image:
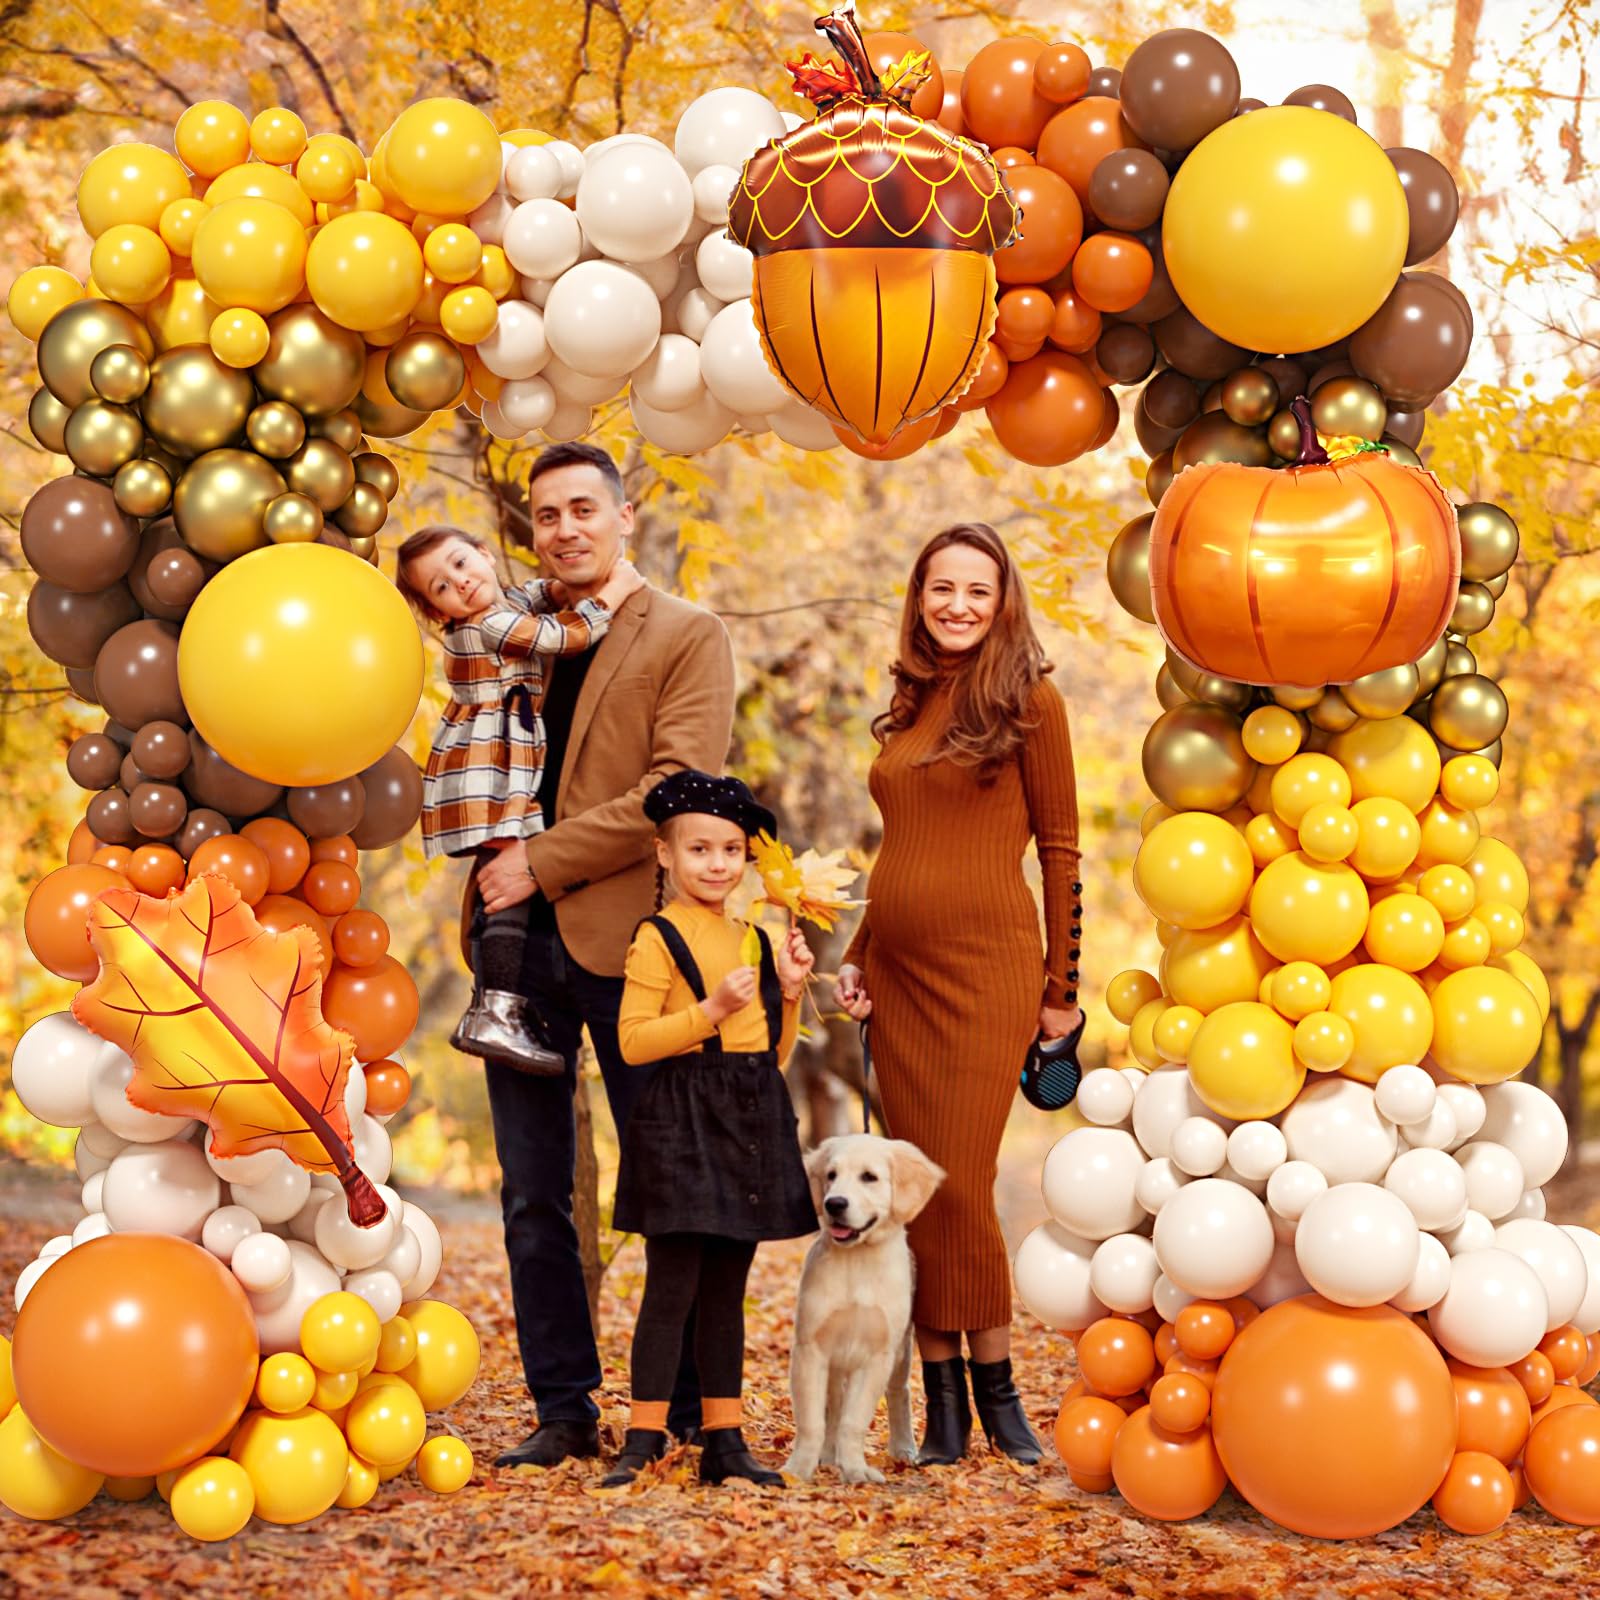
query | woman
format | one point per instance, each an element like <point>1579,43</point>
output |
<point>975,760</point>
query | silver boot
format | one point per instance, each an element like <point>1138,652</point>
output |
<point>496,1028</point>
<point>471,1019</point>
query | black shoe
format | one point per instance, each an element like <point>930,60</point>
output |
<point>949,1420</point>
<point>640,1446</point>
<point>551,1443</point>
<point>1000,1411</point>
<point>726,1456</point>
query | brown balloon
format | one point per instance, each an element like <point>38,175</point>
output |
<point>1128,189</point>
<point>1289,375</point>
<point>136,674</point>
<point>1170,400</point>
<point>129,776</point>
<point>1158,477</point>
<point>158,536</point>
<point>161,749</point>
<point>75,535</point>
<point>1349,406</point>
<point>197,828</point>
<point>326,809</point>
<point>1249,104</point>
<point>175,579</point>
<point>392,791</point>
<point>1104,81</point>
<point>93,761</point>
<point>70,628</point>
<point>1326,372</point>
<point>113,729</point>
<point>1128,568</point>
<point>1489,541</point>
<point>1406,426</point>
<point>1416,343</point>
<point>1249,397</point>
<point>80,682</point>
<point>158,810</point>
<point>1431,199</point>
<point>1160,299</point>
<point>1153,439</point>
<point>1126,353</point>
<point>1323,97</point>
<point>1178,86</point>
<point>1194,349</point>
<point>218,784</point>
<point>1214,436</point>
<point>47,421</point>
<point>108,817</point>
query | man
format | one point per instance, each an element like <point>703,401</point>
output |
<point>654,696</point>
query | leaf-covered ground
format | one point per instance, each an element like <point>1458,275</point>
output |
<point>984,1529</point>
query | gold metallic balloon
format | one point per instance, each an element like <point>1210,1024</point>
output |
<point>1468,712</point>
<point>1344,406</point>
<point>363,513</point>
<point>47,421</point>
<point>1332,713</point>
<point>292,519</point>
<point>100,437</point>
<point>143,488</point>
<point>388,422</point>
<point>1194,759</point>
<point>425,371</point>
<point>1293,697</point>
<point>1474,609</point>
<point>1401,452</point>
<point>320,469</point>
<point>1249,396</point>
<point>220,502</point>
<point>365,545</point>
<point>1458,659</point>
<point>119,373</point>
<point>1382,694</point>
<point>1283,435</point>
<point>380,472</point>
<point>1488,541</point>
<point>195,402</point>
<point>1214,690</point>
<point>1128,568</point>
<point>1158,477</point>
<point>1430,665</point>
<point>311,361</point>
<point>275,429</point>
<point>343,427</point>
<point>1497,586</point>
<point>1214,436</point>
<point>75,335</point>
<point>1167,690</point>
<point>1184,672</point>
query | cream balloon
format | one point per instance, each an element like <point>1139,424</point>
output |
<point>693,311</point>
<point>1158,1181</point>
<point>577,386</point>
<point>1170,1299</point>
<point>1123,1273</point>
<point>601,319</point>
<point>1213,1238</point>
<point>379,1288</point>
<point>1587,1317</point>
<point>570,158</point>
<point>373,1149</point>
<point>97,1224</point>
<point>1556,1259</point>
<point>404,1258</point>
<point>533,173</point>
<point>1494,1177</point>
<point>1432,1187</point>
<point>421,1226</point>
<point>490,219</point>
<point>276,1197</point>
<point>243,1169</point>
<point>713,190</point>
<point>51,1068</point>
<point>691,428</point>
<point>1105,1098</point>
<point>1051,1272</point>
<point>726,269</point>
<point>1528,1122</point>
<point>280,1311</point>
<point>526,403</point>
<point>1334,1124</point>
<point>353,1248</point>
<point>226,1229</point>
<point>725,127</point>
<point>1282,1280</point>
<point>1468,1109</point>
<point>542,238</point>
<point>1293,1187</point>
<point>1436,1131</point>
<point>1088,1182</point>
<point>571,419</point>
<point>161,1188</point>
<point>733,365</point>
<point>1494,1312</point>
<point>1257,1149</point>
<point>1357,1244</point>
<point>108,1085</point>
<point>802,427</point>
<point>1199,1147</point>
<point>670,380</point>
<point>1164,1100</point>
<point>1474,1232</point>
<point>634,202</point>
<point>1430,1280</point>
<point>516,347</point>
<point>662,274</point>
<point>1405,1095</point>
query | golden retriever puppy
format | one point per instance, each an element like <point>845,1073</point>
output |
<point>852,1324</point>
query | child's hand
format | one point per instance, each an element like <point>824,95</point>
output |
<point>623,580</point>
<point>556,593</point>
<point>795,962</point>
<point>735,992</point>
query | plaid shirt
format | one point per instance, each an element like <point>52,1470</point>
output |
<point>483,774</point>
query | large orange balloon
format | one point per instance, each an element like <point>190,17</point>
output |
<point>1334,1421</point>
<point>135,1353</point>
<point>1051,227</point>
<point>281,912</point>
<point>1049,411</point>
<point>234,857</point>
<point>1075,141</point>
<point>1477,1494</point>
<point>287,851</point>
<point>56,923</point>
<point>1172,1476</point>
<point>999,99</point>
<point>377,1006</point>
<point>1085,1432</point>
<point>1563,1464</point>
<point>1492,1412</point>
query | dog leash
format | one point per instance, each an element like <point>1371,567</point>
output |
<point>866,1080</point>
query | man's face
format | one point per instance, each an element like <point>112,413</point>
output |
<point>579,527</point>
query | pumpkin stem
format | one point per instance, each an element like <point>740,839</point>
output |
<point>843,32</point>
<point>1311,453</point>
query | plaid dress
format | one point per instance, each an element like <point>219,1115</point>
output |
<point>482,780</point>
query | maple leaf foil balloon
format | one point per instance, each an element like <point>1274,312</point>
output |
<point>874,232</point>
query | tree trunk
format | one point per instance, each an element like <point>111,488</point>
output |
<point>586,1200</point>
<point>1572,1044</point>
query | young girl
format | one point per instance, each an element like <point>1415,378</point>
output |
<point>481,788</point>
<point>711,1156</point>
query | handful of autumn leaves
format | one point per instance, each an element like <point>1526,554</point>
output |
<point>811,888</point>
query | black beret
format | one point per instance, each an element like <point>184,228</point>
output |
<point>691,793</point>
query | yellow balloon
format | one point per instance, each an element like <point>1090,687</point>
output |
<point>1486,1024</point>
<point>181,314</point>
<point>443,156</point>
<point>212,1498</point>
<point>1174,1032</point>
<point>453,253</point>
<point>1466,944</point>
<point>1387,839</point>
<point>1242,1061</point>
<point>1391,1017</point>
<point>1156,811</point>
<point>1404,931</point>
<point>360,1484</point>
<point>1271,734</point>
<point>1449,834</point>
<point>299,664</point>
<point>37,295</point>
<point>1141,1033</point>
<point>129,1490</point>
<point>386,1425</point>
<point>8,1387</point>
<point>364,270</point>
<point>213,136</point>
<point>364,197</point>
<point>36,1481</point>
<point>525,136</point>
<point>1328,832</point>
<point>180,222</point>
<point>1210,967</point>
<point>251,253</point>
<point>1269,838</point>
<point>1299,988</point>
<point>1529,974</point>
<point>1305,781</point>
<point>1128,991</point>
<point>447,1353</point>
<point>329,167</point>
<point>444,1464</point>
<point>1394,758</point>
<point>335,1390</point>
<point>1193,869</point>
<point>297,1464</point>
<point>1499,874</point>
<point>1305,910</point>
<point>256,180</point>
<point>1323,1041</point>
<point>397,1347</point>
<point>340,1332</point>
<point>129,183</point>
<point>468,315</point>
<point>1504,924</point>
<point>239,337</point>
<point>1286,229</point>
<point>1451,889</point>
<point>496,274</point>
<point>130,263</point>
<point>1258,797</point>
<point>277,136</point>
<point>285,1383</point>
<point>1469,781</point>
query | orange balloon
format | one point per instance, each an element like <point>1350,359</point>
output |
<point>1052,225</point>
<point>1205,1330</point>
<point>286,848</point>
<point>886,50</point>
<point>113,857</point>
<point>1244,1311</point>
<point>1166,1343</point>
<point>336,847</point>
<point>1018,350</point>
<point>360,938</point>
<point>1179,1403</point>
<point>330,888</point>
<point>82,844</point>
<point>1085,1432</point>
<point>1492,1411</point>
<point>376,1005</point>
<point>134,1353</point>
<point>1566,1350</point>
<point>1012,155</point>
<point>1191,1367</point>
<point>1536,1376</point>
<point>1024,315</point>
<point>1562,1463</point>
<point>1116,1356</point>
<point>1113,415</point>
<point>1061,74</point>
<point>989,380</point>
<point>948,418</point>
<point>1335,1421</point>
<point>280,912</point>
<point>950,112</point>
<point>1076,325</point>
<point>56,922</point>
<point>998,97</point>
<point>1170,1476</point>
<point>1560,1397</point>
<point>388,1088</point>
<point>1521,1494</point>
<point>1477,1494</point>
<point>1591,1365</point>
<point>232,856</point>
<point>1112,271</point>
<point>156,869</point>
<point>1049,411</point>
<point>1075,141</point>
<point>906,442</point>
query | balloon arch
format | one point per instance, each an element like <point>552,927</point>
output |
<point>1315,1205</point>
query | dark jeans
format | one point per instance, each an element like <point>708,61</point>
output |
<point>535,1135</point>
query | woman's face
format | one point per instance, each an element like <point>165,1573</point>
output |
<point>960,596</point>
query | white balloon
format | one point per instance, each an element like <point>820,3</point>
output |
<point>1105,1097</point>
<point>1170,1299</point>
<point>1530,1205</point>
<point>57,1246</point>
<point>670,379</point>
<point>421,1226</point>
<point>490,219</point>
<point>662,274</point>
<point>791,121</point>
<point>93,1192</point>
<point>51,1067</point>
<point>1089,1179</point>
<point>1357,1244</point>
<point>1257,1149</point>
<point>1334,1124</point>
<point>578,386</point>
<point>355,1091</point>
<point>1429,1281</point>
<point>303,1224</point>
<point>533,173</point>
<point>1123,1273</point>
<point>1554,1255</point>
<point>280,1311</point>
<point>1474,1232</point>
<point>1587,1317</point>
<point>1494,1177</point>
<point>1405,1094</point>
<point>713,190</point>
<point>570,420</point>
<point>726,269</point>
<point>373,1149</point>
<point>524,404</point>
<point>1157,1182</point>
<point>102,1141</point>
<point>279,1195</point>
<point>1051,1272</point>
<point>809,430</point>
<point>94,1226</point>
<point>1284,1228</point>
<point>592,152</point>
<point>690,428</point>
<point>1523,1118</point>
<point>29,1276</point>
<point>246,1168</point>
<point>226,1229</point>
<point>345,1245</point>
<point>602,320</point>
<point>733,365</point>
<point>1431,1185</point>
<point>1199,1147</point>
<point>380,1289</point>
<point>1467,1106</point>
<point>1162,1101</point>
<point>725,128</point>
<point>261,1262</point>
<point>693,311</point>
<point>537,290</point>
<point>85,1162</point>
<point>1494,1312</point>
<point>1213,1238</point>
<point>634,201</point>
<point>1436,1131</point>
<point>108,1085</point>
<point>1282,1280</point>
<point>161,1188</point>
<point>516,345</point>
<point>542,239</point>
<point>571,159</point>
<point>405,1255</point>
<point>1231,1174</point>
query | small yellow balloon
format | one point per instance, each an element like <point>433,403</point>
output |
<point>1405,931</point>
<point>364,197</point>
<point>340,1332</point>
<point>1153,813</point>
<point>335,1390</point>
<point>1328,831</point>
<point>386,1425</point>
<point>1305,781</point>
<point>1194,869</point>
<point>1299,988</point>
<point>496,274</point>
<point>212,136</point>
<point>1269,838</point>
<point>1323,1041</point>
<point>1504,924</point>
<point>1390,1015</point>
<point>397,1348</point>
<point>468,315</point>
<point>212,1498</point>
<point>327,170</point>
<point>130,1490</point>
<point>1387,839</point>
<point>453,252</point>
<point>1174,1032</point>
<point>1449,834</point>
<point>1486,1024</point>
<point>35,1481</point>
<point>1466,944</point>
<point>277,136</point>
<point>1470,782</point>
<point>285,1383</point>
<point>181,314</point>
<point>1305,910</point>
<point>447,1353</point>
<point>1499,874</point>
<point>37,295</point>
<point>250,252</point>
<point>180,222</point>
<point>364,270</point>
<point>1394,758</point>
<point>1450,889</point>
<point>297,1463</point>
<point>444,1464</point>
<point>1242,1061</point>
<point>1210,967</point>
<point>1271,734</point>
<point>239,337</point>
<point>360,1484</point>
<point>1129,990</point>
<point>442,156</point>
<point>258,181</point>
<point>1528,973</point>
<point>130,263</point>
<point>1141,1033</point>
<point>129,183</point>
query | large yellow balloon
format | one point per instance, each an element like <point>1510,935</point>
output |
<point>1193,869</point>
<point>1305,910</point>
<point>443,157</point>
<point>447,1353</point>
<point>1210,967</point>
<point>37,295</point>
<point>252,253</point>
<point>1242,1061</point>
<point>364,270</point>
<point>1486,1024</point>
<point>1390,1014</point>
<point>1527,972</point>
<point>212,1498</point>
<point>297,1463</point>
<point>256,179</point>
<point>1306,781</point>
<point>129,183</point>
<point>1499,874</point>
<point>386,1425</point>
<point>1387,838</point>
<point>340,1332</point>
<point>1286,229</point>
<point>300,664</point>
<point>36,1481</point>
<point>1393,758</point>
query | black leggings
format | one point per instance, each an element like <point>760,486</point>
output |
<point>700,1273</point>
<point>502,937</point>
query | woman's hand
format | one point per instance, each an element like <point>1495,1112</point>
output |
<point>850,993</point>
<point>735,992</point>
<point>795,961</point>
<point>1056,1022</point>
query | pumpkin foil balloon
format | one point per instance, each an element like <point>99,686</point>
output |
<point>873,232</point>
<point>1321,572</point>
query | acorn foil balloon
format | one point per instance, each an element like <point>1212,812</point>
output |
<point>873,232</point>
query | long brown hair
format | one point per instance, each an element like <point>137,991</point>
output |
<point>992,684</point>
<point>417,546</point>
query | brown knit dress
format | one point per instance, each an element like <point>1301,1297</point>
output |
<point>951,950</point>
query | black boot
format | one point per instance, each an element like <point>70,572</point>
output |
<point>726,1456</point>
<point>551,1443</point>
<point>1000,1412</point>
<point>640,1446</point>
<point>949,1420</point>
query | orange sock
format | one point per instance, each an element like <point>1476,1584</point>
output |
<point>721,1413</point>
<point>651,1414</point>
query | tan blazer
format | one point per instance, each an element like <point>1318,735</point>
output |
<point>658,697</point>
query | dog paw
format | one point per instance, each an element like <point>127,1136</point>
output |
<point>801,1467</point>
<point>860,1472</point>
<point>904,1451</point>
